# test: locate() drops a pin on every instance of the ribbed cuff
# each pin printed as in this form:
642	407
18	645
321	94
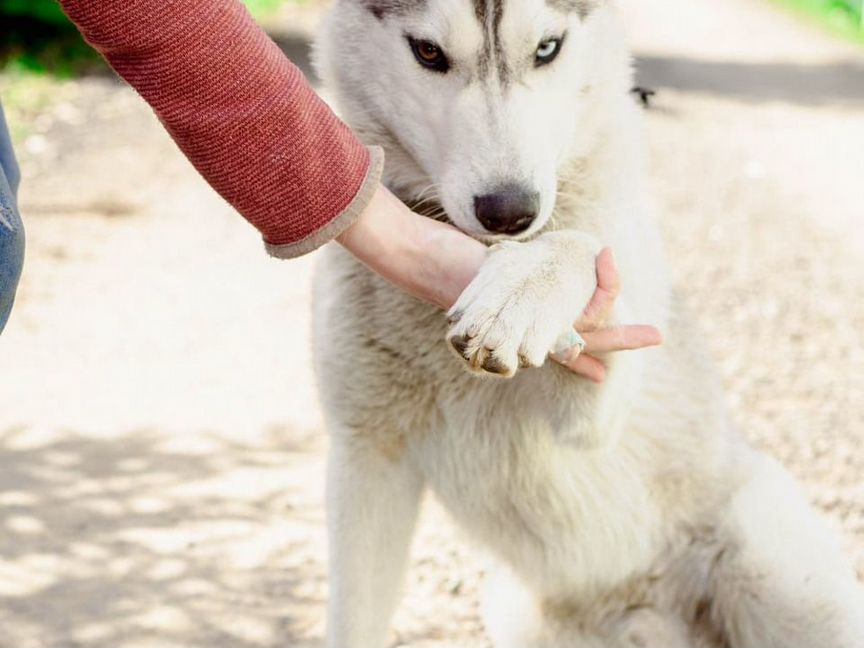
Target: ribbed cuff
343	220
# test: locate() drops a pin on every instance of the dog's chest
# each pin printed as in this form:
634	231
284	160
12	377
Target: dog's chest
551	511
490	449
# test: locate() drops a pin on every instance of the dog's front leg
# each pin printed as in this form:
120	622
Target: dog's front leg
372	502
524	297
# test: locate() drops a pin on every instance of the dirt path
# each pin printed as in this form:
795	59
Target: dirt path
161	455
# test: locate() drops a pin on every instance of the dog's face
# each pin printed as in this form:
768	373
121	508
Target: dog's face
488	98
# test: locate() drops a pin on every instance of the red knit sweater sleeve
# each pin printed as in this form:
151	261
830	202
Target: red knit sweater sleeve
240	111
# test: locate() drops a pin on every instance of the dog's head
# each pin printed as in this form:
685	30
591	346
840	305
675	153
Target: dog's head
478	103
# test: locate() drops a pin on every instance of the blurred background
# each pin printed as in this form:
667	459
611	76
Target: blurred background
161	449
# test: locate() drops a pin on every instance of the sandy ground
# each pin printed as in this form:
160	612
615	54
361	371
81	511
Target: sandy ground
161	450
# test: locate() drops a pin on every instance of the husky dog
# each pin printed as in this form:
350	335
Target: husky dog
628	513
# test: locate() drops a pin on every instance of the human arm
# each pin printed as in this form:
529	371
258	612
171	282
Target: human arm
428	259
241	112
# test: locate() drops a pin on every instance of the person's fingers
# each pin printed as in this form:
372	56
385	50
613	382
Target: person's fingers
608	340
608	287
607	273
583	364
622	338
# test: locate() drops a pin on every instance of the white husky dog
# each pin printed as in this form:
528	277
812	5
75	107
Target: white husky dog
623	514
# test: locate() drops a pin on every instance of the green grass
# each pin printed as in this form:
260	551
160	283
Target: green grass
839	17
263	8
46	11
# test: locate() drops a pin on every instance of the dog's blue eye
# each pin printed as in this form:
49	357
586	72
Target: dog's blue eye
547	50
429	55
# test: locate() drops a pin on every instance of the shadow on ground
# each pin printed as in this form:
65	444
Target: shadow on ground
836	83
110	541
840	83
298	48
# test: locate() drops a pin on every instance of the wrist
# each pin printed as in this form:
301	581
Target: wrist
428	259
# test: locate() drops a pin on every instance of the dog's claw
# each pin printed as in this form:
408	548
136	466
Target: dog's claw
460	345
494	366
482	360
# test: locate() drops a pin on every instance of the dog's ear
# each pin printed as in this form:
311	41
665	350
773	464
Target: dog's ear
382	8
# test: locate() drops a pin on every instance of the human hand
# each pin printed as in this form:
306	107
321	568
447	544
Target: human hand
600	338
436	262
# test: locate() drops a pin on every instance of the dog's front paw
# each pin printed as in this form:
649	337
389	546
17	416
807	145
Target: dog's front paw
492	336
524	297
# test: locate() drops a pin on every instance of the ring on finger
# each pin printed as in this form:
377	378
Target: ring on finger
565	344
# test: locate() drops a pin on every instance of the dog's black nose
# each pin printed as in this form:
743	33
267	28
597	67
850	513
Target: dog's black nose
510	209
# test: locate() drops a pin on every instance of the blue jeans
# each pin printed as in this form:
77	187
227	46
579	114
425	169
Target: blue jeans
11	229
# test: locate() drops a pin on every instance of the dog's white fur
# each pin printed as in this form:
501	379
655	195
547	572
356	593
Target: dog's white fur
626	514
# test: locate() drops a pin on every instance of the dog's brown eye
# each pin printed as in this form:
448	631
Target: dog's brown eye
428	52
429	55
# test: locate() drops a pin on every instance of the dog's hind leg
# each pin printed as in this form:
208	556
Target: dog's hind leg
372	502
780	579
